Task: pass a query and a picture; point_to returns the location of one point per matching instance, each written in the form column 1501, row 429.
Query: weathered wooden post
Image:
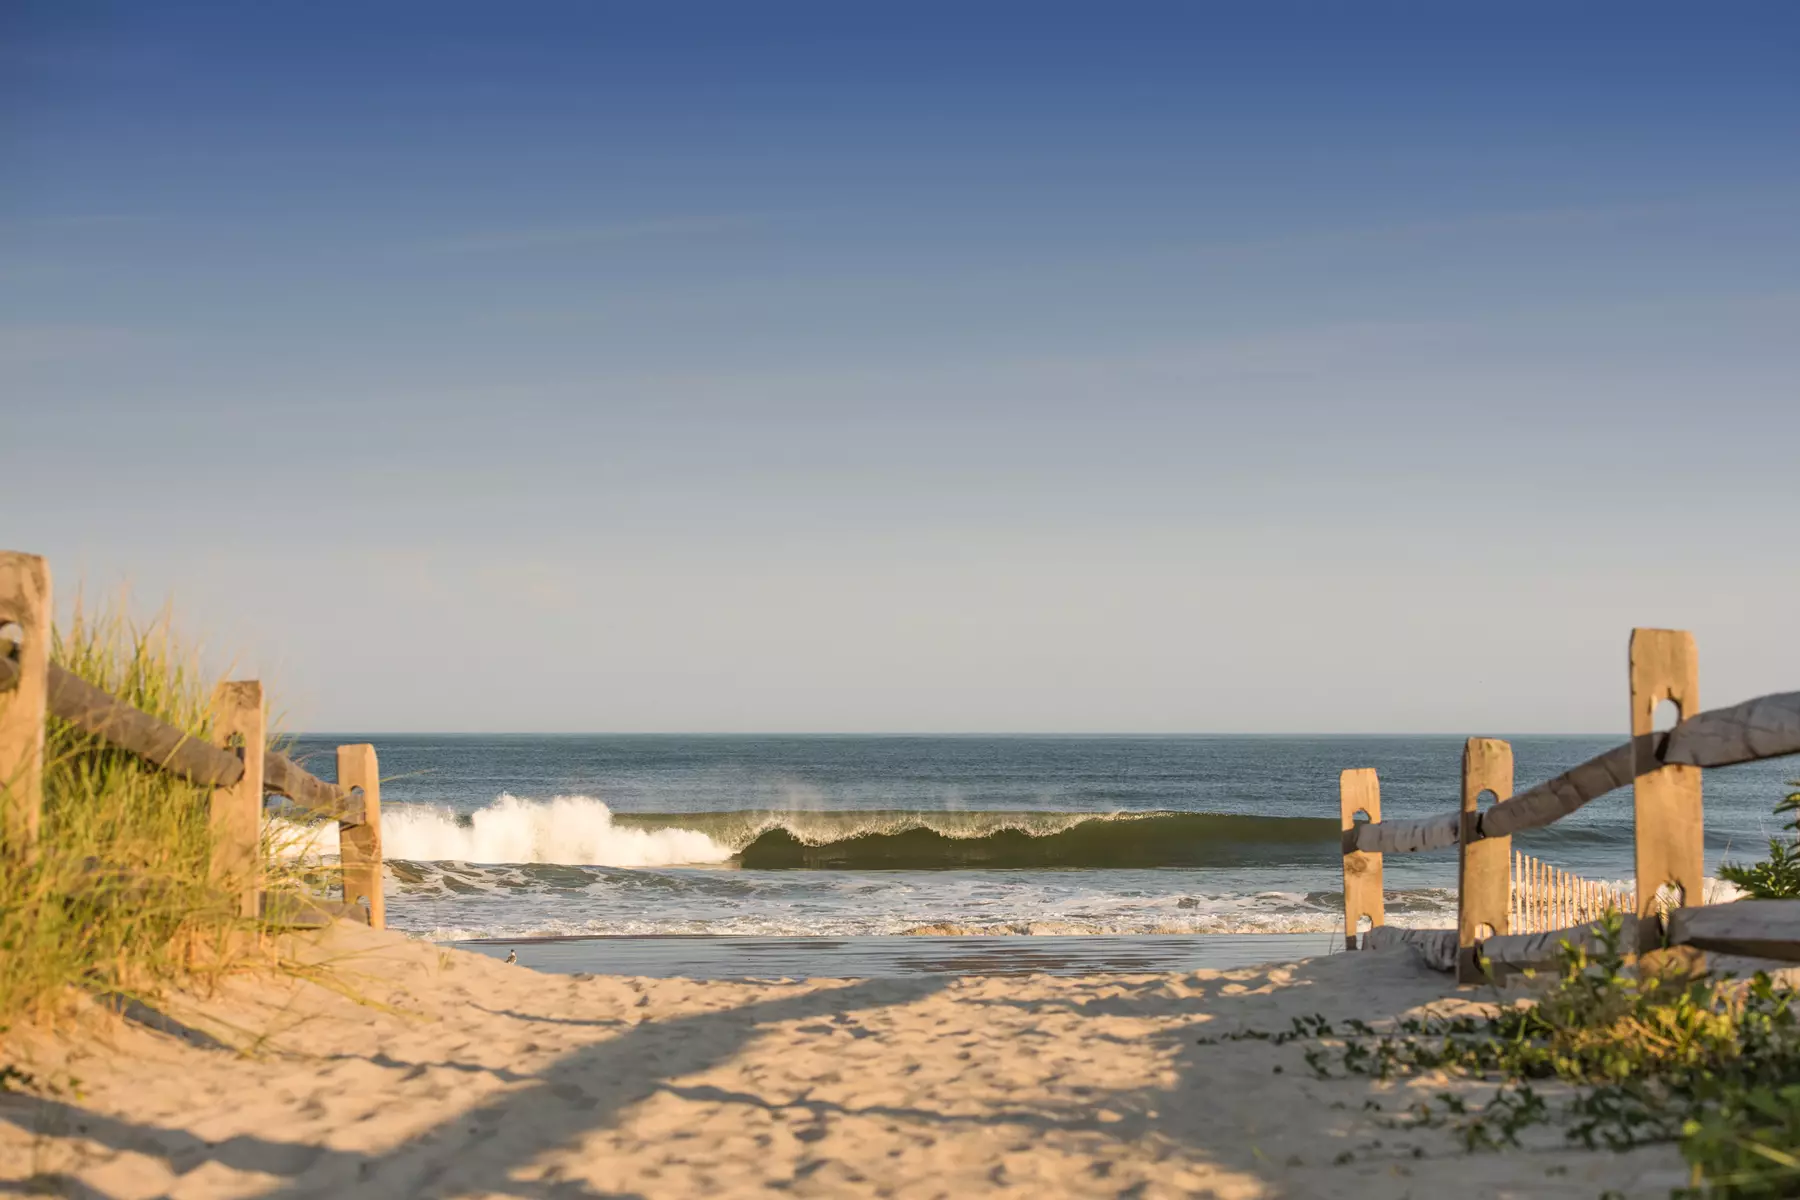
column 359, row 846
column 1666, row 800
column 240, row 724
column 1483, row 883
column 25, row 602
column 1360, row 791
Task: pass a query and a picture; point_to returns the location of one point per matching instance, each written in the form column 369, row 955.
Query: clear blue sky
column 936, row 367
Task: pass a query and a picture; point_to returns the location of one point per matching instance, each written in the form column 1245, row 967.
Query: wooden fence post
column 1484, row 877
column 236, row 815
column 25, row 602
column 1360, row 791
column 359, row 846
column 1666, row 801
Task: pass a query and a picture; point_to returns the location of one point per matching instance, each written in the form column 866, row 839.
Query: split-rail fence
column 1514, row 911
column 237, row 764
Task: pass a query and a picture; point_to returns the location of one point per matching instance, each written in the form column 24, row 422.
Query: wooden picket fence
column 1544, row 897
column 1512, row 909
column 237, row 765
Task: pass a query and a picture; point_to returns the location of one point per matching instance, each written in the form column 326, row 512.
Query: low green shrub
column 1777, row 878
column 1654, row 1057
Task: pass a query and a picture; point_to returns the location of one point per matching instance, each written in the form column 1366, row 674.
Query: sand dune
column 459, row 1076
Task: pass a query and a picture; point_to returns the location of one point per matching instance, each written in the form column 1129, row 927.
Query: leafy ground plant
column 1778, row 878
column 1654, row 1057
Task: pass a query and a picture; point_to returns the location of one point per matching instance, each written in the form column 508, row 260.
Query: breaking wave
column 583, row 831
column 990, row 840
column 570, row 830
column 575, row 830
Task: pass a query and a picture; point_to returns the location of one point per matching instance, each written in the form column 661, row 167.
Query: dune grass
column 118, row 899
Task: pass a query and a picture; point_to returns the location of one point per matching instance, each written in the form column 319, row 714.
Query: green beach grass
column 118, row 900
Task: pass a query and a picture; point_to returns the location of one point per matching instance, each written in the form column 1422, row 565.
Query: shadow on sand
column 1328, row 1140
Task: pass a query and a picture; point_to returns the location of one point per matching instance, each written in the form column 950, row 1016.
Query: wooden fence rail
column 1509, row 903
column 1767, row 727
column 240, row 769
column 75, row 700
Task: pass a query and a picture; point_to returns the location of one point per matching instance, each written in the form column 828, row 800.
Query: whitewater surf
column 847, row 837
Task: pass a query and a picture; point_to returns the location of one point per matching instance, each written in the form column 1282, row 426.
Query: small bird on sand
column 512, row 956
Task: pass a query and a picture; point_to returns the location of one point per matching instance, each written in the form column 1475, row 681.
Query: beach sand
column 452, row 1074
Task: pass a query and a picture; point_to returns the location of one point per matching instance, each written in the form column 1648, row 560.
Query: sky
column 929, row 367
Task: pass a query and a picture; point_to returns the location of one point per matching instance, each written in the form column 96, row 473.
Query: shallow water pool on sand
column 878, row 957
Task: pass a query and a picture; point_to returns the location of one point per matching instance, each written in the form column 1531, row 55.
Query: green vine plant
column 1779, row 877
column 1652, row 1057
column 1655, row 1057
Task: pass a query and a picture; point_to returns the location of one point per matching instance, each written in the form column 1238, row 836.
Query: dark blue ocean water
column 856, row 835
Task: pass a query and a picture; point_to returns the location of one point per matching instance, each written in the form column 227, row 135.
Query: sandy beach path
column 455, row 1075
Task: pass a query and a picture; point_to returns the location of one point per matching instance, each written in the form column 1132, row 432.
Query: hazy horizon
column 1019, row 734
column 809, row 367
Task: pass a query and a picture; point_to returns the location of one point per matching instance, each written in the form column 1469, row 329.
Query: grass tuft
column 118, row 900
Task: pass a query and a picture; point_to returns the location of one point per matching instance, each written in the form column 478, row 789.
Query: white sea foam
column 300, row 841
column 571, row 830
column 444, row 900
column 567, row 830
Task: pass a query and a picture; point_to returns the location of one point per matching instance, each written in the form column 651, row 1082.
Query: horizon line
column 672, row 733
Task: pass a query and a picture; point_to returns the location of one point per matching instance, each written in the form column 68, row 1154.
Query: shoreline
column 423, row 1069
column 703, row 956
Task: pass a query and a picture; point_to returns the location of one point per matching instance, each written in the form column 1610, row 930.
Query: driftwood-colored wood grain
column 1519, row 951
column 1405, row 837
column 1436, row 946
column 1744, row 936
column 1484, row 875
column 282, row 776
column 1758, row 928
column 238, row 719
column 1667, row 819
column 24, row 602
column 105, row 716
column 73, row 699
column 1360, row 791
column 359, row 842
column 1763, row 728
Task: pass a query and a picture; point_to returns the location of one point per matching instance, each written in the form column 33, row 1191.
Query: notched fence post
column 1360, row 791
column 25, row 602
column 239, row 724
column 1484, row 879
column 359, row 845
column 1670, row 829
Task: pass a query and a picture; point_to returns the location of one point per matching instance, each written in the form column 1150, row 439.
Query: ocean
column 861, row 837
